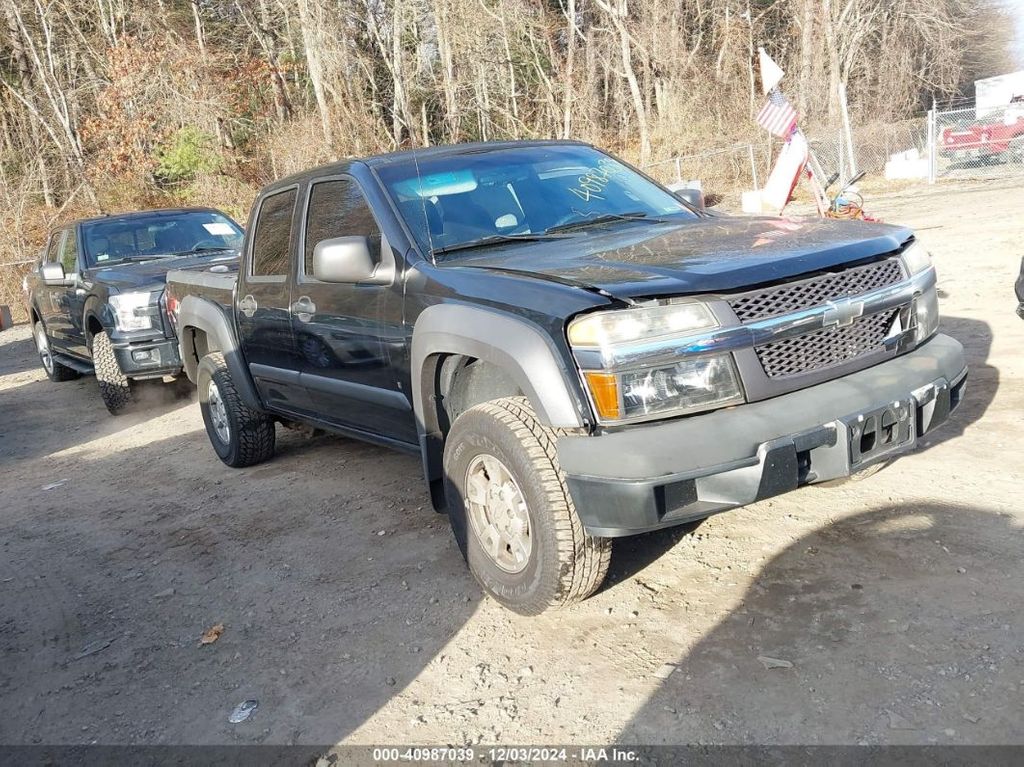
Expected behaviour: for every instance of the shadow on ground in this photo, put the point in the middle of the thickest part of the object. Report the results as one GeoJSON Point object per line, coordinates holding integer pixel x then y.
{"type": "Point", "coordinates": [920, 603]}
{"type": "Point", "coordinates": [982, 378]}
{"type": "Point", "coordinates": [325, 619]}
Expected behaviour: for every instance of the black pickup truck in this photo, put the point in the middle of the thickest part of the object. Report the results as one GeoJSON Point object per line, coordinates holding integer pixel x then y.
{"type": "Point", "coordinates": [575, 353]}
{"type": "Point", "coordinates": [96, 301]}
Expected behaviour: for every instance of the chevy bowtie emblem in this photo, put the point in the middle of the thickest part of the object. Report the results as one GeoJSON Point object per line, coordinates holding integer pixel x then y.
{"type": "Point", "coordinates": [842, 313]}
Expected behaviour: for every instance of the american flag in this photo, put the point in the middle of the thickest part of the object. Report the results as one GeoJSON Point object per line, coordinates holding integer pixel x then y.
{"type": "Point", "coordinates": [777, 116]}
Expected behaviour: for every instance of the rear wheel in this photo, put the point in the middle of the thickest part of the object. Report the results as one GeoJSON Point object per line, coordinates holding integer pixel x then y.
{"type": "Point", "coordinates": [115, 387]}
{"type": "Point", "coordinates": [54, 370]}
{"type": "Point", "coordinates": [511, 512]}
{"type": "Point", "coordinates": [240, 435]}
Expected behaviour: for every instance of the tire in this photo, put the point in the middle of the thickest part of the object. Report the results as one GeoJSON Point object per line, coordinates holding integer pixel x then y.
{"type": "Point", "coordinates": [55, 371]}
{"type": "Point", "coordinates": [115, 388]}
{"type": "Point", "coordinates": [563, 564]}
{"type": "Point", "coordinates": [240, 435]}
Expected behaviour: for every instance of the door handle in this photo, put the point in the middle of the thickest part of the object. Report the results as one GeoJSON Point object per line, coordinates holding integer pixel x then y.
{"type": "Point", "coordinates": [248, 306]}
{"type": "Point", "coordinates": [304, 309]}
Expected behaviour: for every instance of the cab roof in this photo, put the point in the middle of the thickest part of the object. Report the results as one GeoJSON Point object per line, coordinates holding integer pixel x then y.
{"type": "Point", "coordinates": [406, 155]}
{"type": "Point", "coordinates": [128, 216]}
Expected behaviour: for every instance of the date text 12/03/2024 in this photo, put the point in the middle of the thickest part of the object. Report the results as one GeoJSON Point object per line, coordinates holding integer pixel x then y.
{"type": "Point", "coordinates": [505, 754]}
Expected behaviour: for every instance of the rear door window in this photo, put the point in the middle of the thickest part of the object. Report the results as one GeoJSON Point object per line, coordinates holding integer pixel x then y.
{"type": "Point", "coordinates": [272, 235]}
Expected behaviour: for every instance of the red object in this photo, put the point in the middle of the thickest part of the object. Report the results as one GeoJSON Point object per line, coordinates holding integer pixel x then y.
{"type": "Point", "coordinates": [777, 116]}
{"type": "Point", "coordinates": [987, 139]}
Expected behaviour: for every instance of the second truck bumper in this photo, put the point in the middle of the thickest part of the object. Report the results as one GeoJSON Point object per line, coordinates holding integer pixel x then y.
{"type": "Point", "coordinates": [658, 475]}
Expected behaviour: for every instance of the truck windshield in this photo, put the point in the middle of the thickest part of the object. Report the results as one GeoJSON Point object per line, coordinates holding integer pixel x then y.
{"type": "Point", "coordinates": [453, 202]}
{"type": "Point", "coordinates": [156, 235]}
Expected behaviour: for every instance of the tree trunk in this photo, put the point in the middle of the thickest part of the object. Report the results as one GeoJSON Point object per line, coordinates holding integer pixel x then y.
{"type": "Point", "coordinates": [200, 36]}
{"type": "Point", "coordinates": [570, 58]}
{"type": "Point", "coordinates": [309, 21]}
{"type": "Point", "coordinates": [806, 56]}
{"type": "Point", "coordinates": [618, 19]}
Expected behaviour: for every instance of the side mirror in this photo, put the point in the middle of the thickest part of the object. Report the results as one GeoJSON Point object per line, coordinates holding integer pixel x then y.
{"type": "Point", "coordinates": [692, 197]}
{"type": "Point", "coordinates": [53, 274]}
{"type": "Point", "coordinates": [348, 260]}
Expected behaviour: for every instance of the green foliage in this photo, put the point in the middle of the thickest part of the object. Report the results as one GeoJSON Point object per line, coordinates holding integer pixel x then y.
{"type": "Point", "coordinates": [191, 152]}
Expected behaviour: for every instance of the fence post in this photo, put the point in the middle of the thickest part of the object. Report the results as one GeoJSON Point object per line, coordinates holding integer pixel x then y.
{"type": "Point", "coordinates": [679, 169]}
{"type": "Point", "coordinates": [932, 159]}
{"type": "Point", "coordinates": [847, 131]}
{"type": "Point", "coordinates": [842, 159]}
{"type": "Point", "coordinates": [753, 166]}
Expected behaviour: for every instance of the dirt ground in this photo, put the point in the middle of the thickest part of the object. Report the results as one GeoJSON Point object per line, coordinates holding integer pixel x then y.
{"type": "Point", "coordinates": [349, 616]}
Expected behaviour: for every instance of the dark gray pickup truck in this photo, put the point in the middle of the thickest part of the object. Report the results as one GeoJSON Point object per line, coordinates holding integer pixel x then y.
{"type": "Point", "coordinates": [96, 297]}
{"type": "Point", "coordinates": [575, 353]}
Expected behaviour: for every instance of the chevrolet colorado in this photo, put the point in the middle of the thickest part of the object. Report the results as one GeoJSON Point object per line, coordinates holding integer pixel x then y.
{"type": "Point", "coordinates": [574, 353]}
{"type": "Point", "coordinates": [95, 297]}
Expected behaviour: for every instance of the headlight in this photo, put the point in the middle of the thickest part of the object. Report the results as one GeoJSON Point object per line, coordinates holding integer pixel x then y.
{"type": "Point", "coordinates": [686, 385]}
{"type": "Point", "coordinates": [605, 329]}
{"type": "Point", "coordinates": [926, 305]}
{"type": "Point", "coordinates": [135, 311]}
{"type": "Point", "coordinates": [926, 311]}
{"type": "Point", "coordinates": [916, 258]}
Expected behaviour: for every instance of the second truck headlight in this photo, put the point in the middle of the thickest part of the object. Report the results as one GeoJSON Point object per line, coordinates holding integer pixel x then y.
{"type": "Point", "coordinates": [135, 311]}
{"type": "Point", "coordinates": [685, 385]}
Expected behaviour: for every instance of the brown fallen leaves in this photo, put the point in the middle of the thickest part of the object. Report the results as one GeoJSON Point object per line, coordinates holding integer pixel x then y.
{"type": "Point", "coordinates": [211, 634]}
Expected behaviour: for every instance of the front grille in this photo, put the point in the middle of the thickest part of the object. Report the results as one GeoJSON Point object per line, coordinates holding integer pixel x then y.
{"type": "Point", "coordinates": [815, 291]}
{"type": "Point", "coordinates": [827, 346]}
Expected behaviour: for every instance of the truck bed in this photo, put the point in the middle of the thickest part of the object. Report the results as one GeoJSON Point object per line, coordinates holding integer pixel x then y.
{"type": "Point", "coordinates": [215, 284]}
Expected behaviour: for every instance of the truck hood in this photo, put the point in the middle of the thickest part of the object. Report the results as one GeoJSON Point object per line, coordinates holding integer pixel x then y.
{"type": "Point", "coordinates": [128, 275]}
{"type": "Point", "coordinates": [707, 256]}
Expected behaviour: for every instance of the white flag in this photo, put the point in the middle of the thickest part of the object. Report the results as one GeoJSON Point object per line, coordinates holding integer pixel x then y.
{"type": "Point", "coordinates": [771, 73]}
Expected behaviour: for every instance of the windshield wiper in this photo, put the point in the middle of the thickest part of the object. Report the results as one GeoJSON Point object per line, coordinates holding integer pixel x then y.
{"type": "Point", "coordinates": [496, 239]}
{"type": "Point", "coordinates": [200, 251]}
{"type": "Point", "coordinates": [142, 257]}
{"type": "Point", "coordinates": [153, 256]}
{"type": "Point", "coordinates": [604, 219]}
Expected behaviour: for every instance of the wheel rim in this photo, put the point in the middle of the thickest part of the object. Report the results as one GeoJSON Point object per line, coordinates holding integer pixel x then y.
{"type": "Point", "coordinates": [43, 347]}
{"type": "Point", "coordinates": [218, 413]}
{"type": "Point", "coordinates": [498, 513]}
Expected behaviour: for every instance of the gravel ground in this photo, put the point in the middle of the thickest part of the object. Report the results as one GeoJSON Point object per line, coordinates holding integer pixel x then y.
{"type": "Point", "coordinates": [893, 602]}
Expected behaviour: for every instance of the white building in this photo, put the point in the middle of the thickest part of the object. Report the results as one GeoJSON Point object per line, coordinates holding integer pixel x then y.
{"type": "Point", "coordinates": [993, 94]}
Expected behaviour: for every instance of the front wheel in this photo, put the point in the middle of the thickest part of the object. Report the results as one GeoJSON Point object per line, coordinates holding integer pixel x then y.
{"type": "Point", "coordinates": [240, 435]}
{"type": "Point", "coordinates": [511, 512]}
{"type": "Point", "coordinates": [115, 387]}
{"type": "Point", "coordinates": [55, 371]}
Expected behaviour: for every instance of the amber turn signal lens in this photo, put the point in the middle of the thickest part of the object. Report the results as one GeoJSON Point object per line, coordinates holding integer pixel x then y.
{"type": "Point", "coordinates": [604, 388]}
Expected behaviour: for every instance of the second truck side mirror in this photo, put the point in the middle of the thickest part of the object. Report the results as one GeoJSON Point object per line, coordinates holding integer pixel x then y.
{"type": "Point", "coordinates": [53, 274]}
{"type": "Point", "coordinates": [348, 259]}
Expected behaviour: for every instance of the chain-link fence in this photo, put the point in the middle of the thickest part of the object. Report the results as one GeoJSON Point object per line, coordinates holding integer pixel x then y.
{"type": "Point", "coordinates": [873, 146]}
{"type": "Point", "coordinates": [971, 143]}
{"type": "Point", "coordinates": [724, 174]}
{"type": "Point", "coordinates": [952, 144]}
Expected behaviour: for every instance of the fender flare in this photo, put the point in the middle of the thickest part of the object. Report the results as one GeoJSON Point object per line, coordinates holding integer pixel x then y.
{"type": "Point", "coordinates": [512, 343]}
{"type": "Point", "coordinates": [201, 314]}
{"type": "Point", "coordinates": [95, 307]}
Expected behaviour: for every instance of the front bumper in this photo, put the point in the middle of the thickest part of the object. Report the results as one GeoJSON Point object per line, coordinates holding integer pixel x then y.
{"type": "Point", "coordinates": [153, 358]}
{"type": "Point", "coordinates": [658, 475]}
